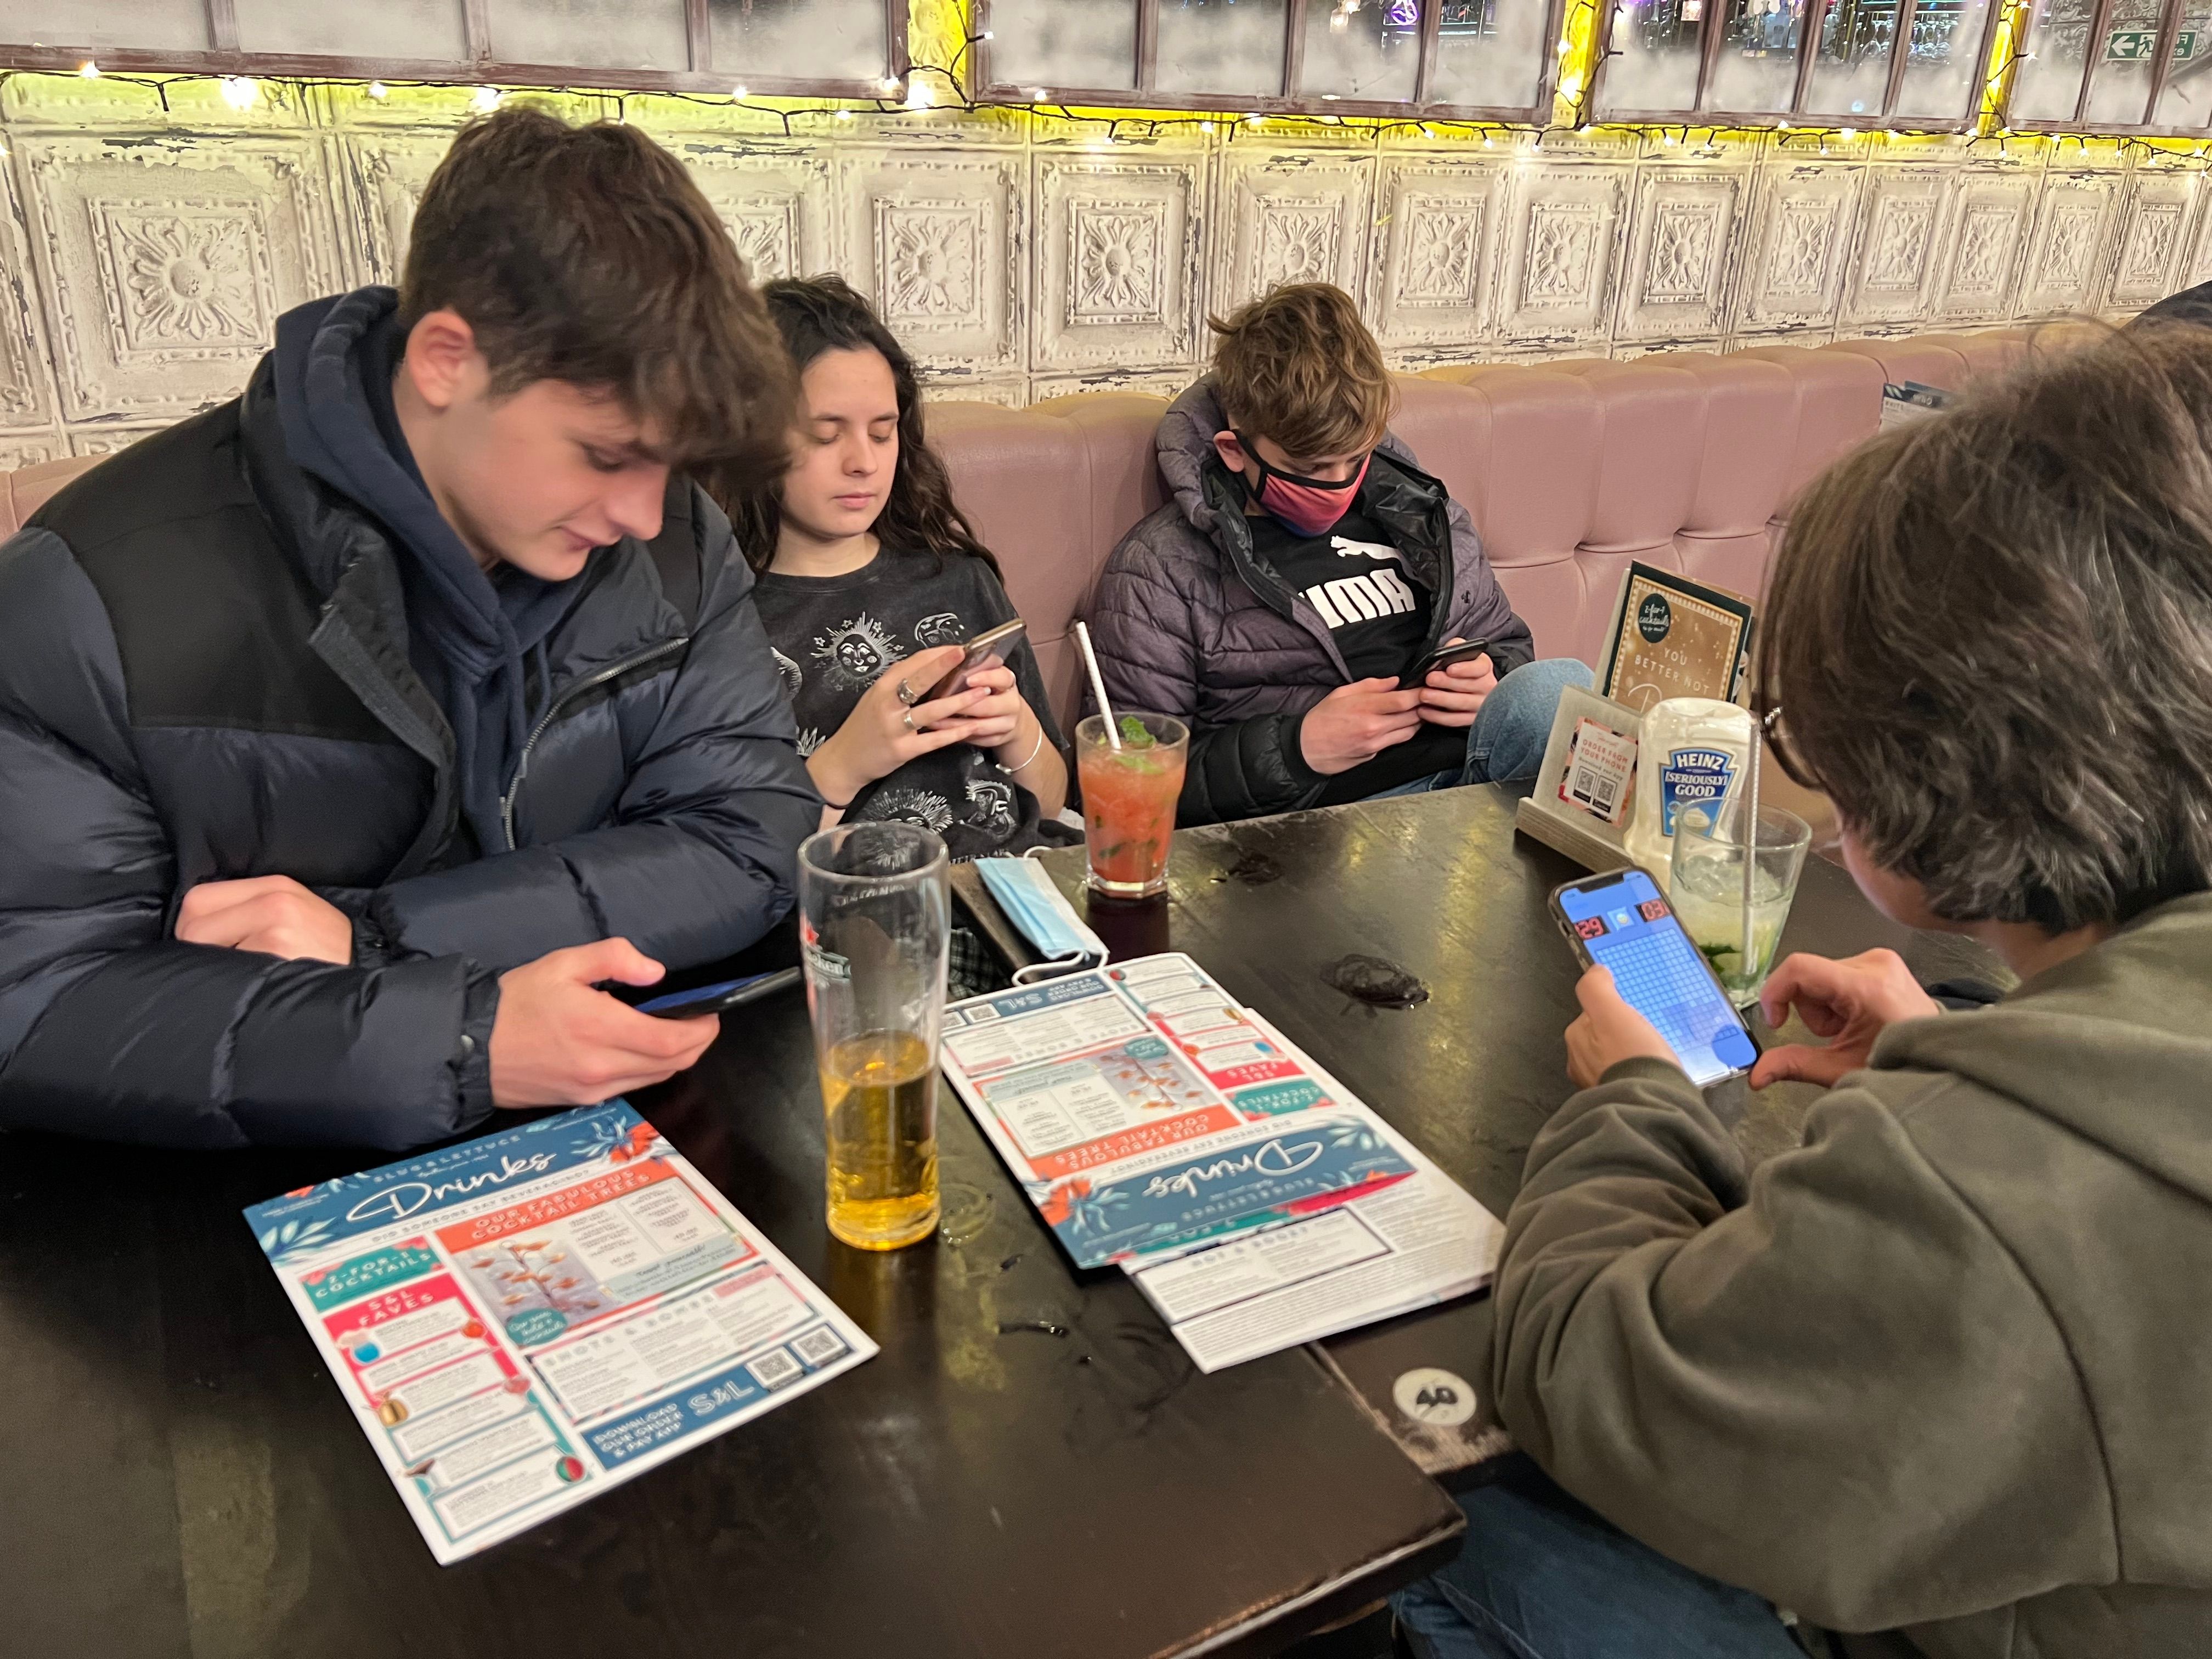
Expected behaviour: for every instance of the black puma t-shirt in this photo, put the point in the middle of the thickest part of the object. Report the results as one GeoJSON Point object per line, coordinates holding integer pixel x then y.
{"type": "Point", "coordinates": [1379, 617]}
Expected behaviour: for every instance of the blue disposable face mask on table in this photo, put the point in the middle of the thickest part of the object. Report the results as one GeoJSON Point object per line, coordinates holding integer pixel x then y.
{"type": "Point", "coordinates": [1047, 920]}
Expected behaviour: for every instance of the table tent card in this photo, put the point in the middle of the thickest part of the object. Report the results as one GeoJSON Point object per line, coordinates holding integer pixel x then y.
{"type": "Point", "coordinates": [1909, 400]}
{"type": "Point", "coordinates": [1140, 1107]}
{"type": "Point", "coordinates": [1586, 786]}
{"type": "Point", "coordinates": [523, 1321]}
{"type": "Point", "coordinates": [1673, 637]}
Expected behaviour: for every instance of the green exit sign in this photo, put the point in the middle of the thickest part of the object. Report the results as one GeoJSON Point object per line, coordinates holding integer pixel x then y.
{"type": "Point", "coordinates": [2127, 45]}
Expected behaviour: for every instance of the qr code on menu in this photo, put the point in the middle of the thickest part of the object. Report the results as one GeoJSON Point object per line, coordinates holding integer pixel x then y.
{"type": "Point", "coordinates": [773, 1371]}
{"type": "Point", "coordinates": [820, 1346]}
{"type": "Point", "coordinates": [1597, 777]}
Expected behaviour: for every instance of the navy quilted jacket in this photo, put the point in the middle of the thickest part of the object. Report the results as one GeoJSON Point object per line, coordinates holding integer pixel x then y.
{"type": "Point", "coordinates": [204, 676]}
{"type": "Point", "coordinates": [1190, 622]}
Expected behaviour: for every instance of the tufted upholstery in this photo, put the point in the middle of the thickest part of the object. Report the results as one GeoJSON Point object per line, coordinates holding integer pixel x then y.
{"type": "Point", "coordinates": [1571, 469]}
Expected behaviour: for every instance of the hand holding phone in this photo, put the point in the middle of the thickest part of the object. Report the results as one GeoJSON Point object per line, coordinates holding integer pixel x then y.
{"type": "Point", "coordinates": [718, 998]}
{"type": "Point", "coordinates": [1608, 1032]}
{"type": "Point", "coordinates": [1620, 922]}
{"type": "Point", "coordinates": [1445, 656]}
{"type": "Point", "coordinates": [991, 642]}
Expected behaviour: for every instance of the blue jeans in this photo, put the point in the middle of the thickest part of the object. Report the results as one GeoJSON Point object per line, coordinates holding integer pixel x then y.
{"type": "Point", "coordinates": [1540, 1576]}
{"type": "Point", "coordinates": [1507, 740]}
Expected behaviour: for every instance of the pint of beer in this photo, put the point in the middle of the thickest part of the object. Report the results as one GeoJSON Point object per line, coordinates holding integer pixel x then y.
{"type": "Point", "coordinates": [874, 905]}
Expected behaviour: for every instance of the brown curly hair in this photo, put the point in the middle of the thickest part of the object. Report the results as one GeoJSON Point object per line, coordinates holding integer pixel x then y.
{"type": "Point", "coordinates": [1299, 366]}
{"type": "Point", "coordinates": [817, 314]}
{"type": "Point", "coordinates": [1990, 634]}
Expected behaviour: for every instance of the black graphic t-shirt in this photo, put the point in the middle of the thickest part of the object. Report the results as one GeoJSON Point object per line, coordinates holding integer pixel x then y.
{"type": "Point", "coordinates": [1379, 617]}
{"type": "Point", "coordinates": [834, 635]}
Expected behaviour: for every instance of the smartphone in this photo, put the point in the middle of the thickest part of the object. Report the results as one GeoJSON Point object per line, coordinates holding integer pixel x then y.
{"type": "Point", "coordinates": [718, 998]}
{"type": "Point", "coordinates": [1621, 920]}
{"type": "Point", "coordinates": [991, 642]}
{"type": "Point", "coordinates": [1442, 656]}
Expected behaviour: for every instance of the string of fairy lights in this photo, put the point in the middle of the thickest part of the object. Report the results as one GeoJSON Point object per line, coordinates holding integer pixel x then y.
{"type": "Point", "coordinates": [934, 89]}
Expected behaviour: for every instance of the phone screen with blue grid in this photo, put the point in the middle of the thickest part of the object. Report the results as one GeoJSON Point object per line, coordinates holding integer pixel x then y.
{"type": "Point", "coordinates": [1625, 926]}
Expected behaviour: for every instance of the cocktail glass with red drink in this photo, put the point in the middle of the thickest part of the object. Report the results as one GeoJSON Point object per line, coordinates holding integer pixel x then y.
{"type": "Point", "coordinates": [1129, 797]}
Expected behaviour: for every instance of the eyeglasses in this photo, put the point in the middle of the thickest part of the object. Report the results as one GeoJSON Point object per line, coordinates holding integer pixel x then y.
{"type": "Point", "coordinates": [1778, 745]}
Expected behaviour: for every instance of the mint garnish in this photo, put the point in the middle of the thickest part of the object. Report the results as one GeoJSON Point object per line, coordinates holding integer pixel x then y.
{"type": "Point", "coordinates": [1134, 734]}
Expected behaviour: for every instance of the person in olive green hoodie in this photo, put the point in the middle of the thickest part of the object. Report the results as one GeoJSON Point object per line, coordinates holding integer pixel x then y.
{"type": "Point", "coordinates": [1941, 1378]}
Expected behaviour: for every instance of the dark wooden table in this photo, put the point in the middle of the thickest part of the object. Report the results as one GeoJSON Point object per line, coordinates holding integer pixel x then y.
{"type": "Point", "coordinates": [1440, 884]}
{"type": "Point", "coordinates": [179, 1478]}
{"type": "Point", "coordinates": [182, 1478]}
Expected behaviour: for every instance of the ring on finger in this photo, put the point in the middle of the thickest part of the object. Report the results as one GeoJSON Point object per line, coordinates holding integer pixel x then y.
{"type": "Point", "coordinates": [906, 719]}
{"type": "Point", "coordinates": [907, 695]}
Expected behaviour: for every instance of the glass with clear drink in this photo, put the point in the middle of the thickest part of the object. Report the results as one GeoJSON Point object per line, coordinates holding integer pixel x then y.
{"type": "Point", "coordinates": [1707, 887]}
{"type": "Point", "coordinates": [1129, 797]}
{"type": "Point", "coordinates": [874, 902]}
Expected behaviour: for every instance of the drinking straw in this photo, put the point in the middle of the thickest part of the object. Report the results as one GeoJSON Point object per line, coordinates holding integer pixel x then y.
{"type": "Point", "coordinates": [1099, 687]}
{"type": "Point", "coordinates": [1750, 840]}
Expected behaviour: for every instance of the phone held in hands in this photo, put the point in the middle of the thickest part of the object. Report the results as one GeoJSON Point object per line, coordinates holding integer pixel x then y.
{"type": "Point", "coordinates": [1620, 921]}
{"type": "Point", "coordinates": [1442, 656]}
{"type": "Point", "coordinates": [718, 998]}
{"type": "Point", "coordinates": [991, 642]}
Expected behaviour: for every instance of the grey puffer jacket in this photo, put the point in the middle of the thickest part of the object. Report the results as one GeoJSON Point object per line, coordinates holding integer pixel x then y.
{"type": "Point", "coordinates": [1190, 622]}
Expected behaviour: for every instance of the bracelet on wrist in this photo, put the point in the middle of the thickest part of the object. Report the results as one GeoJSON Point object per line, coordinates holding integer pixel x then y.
{"type": "Point", "coordinates": [1035, 750]}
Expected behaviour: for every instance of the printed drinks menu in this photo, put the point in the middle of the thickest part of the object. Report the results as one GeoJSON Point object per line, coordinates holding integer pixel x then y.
{"type": "Point", "coordinates": [522, 1321]}
{"type": "Point", "coordinates": [1141, 1108]}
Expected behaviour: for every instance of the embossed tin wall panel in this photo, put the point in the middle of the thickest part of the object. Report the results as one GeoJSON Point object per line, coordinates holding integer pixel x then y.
{"type": "Point", "coordinates": [1990, 215]}
{"type": "Point", "coordinates": [2151, 247]}
{"type": "Point", "coordinates": [1431, 253]}
{"type": "Point", "coordinates": [1800, 247]}
{"type": "Point", "coordinates": [1289, 216]}
{"type": "Point", "coordinates": [779, 202]}
{"type": "Point", "coordinates": [1894, 276]}
{"type": "Point", "coordinates": [22, 449]}
{"type": "Point", "coordinates": [1682, 248]}
{"type": "Point", "coordinates": [26, 365]}
{"type": "Point", "coordinates": [1559, 252]}
{"type": "Point", "coordinates": [1118, 261]}
{"type": "Point", "coordinates": [939, 240]}
{"type": "Point", "coordinates": [2065, 257]}
{"type": "Point", "coordinates": [386, 173]}
{"type": "Point", "coordinates": [165, 265]}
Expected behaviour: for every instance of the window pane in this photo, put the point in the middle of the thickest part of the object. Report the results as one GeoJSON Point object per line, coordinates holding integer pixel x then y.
{"type": "Point", "coordinates": [1851, 70]}
{"type": "Point", "coordinates": [607, 34]}
{"type": "Point", "coordinates": [1653, 65]}
{"type": "Point", "coordinates": [2187, 100]}
{"type": "Point", "coordinates": [1943, 66]}
{"type": "Point", "coordinates": [2046, 84]}
{"type": "Point", "coordinates": [1368, 49]}
{"type": "Point", "coordinates": [155, 25]}
{"type": "Point", "coordinates": [1230, 48]}
{"type": "Point", "coordinates": [1064, 43]}
{"type": "Point", "coordinates": [1490, 54]}
{"type": "Point", "coordinates": [1757, 70]}
{"type": "Point", "coordinates": [2119, 85]}
{"type": "Point", "coordinates": [818, 39]}
{"type": "Point", "coordinates": [389, 28]}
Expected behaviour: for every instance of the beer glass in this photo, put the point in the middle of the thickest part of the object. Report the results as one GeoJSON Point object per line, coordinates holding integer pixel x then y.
{"type": "Point", "coordinates": [874, 903]}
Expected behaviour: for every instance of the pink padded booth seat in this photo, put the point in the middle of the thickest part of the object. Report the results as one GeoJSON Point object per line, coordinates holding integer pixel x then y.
{"type": "Point", "coordinates": [1050, 489]}
{"type": "Point", "coordinates": [25, 491]}
{"type": "Point", "coordinates": [1571, 470]}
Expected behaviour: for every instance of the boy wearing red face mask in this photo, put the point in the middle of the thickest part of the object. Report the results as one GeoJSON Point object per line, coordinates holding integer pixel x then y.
{"type": "Point", "coordinates": [1305, 565]}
